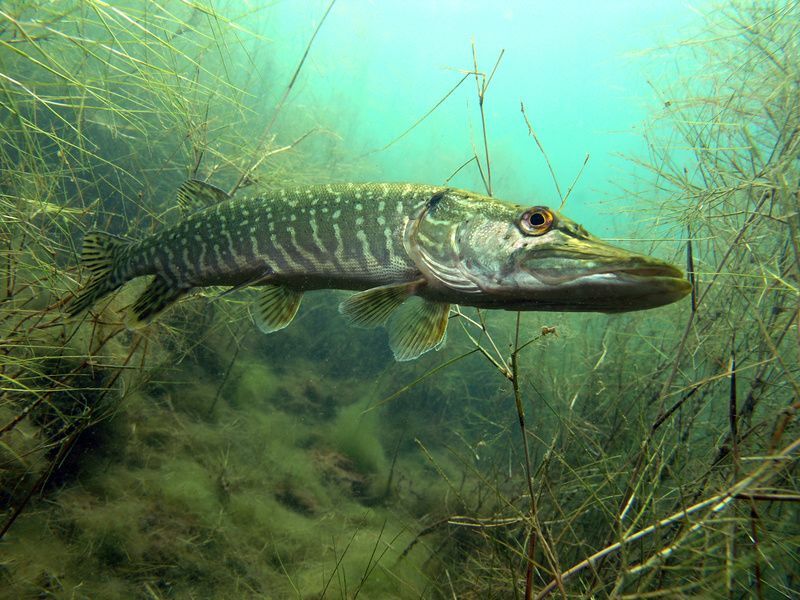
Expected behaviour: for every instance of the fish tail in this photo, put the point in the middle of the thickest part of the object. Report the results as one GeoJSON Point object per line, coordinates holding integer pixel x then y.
{"type": "Point", "coordinates": [101, 254]}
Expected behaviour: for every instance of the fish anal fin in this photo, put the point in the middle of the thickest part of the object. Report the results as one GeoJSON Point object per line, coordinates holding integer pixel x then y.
{"type": "Point", "coordinates": [417, 327]}
{"type": "Point", "coordinates": [155, 298]}
{"type": "Point", "coordinates": [275, 307]}
{"type": "Point", "coordinates": [194, 195]}
{"type": "Point", "coordinates": [372, 307]}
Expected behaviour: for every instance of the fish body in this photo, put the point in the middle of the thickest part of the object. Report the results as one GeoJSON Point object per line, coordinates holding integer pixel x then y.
{"type": "Point", "coordinates": [341, 236]}
{"type": "Point", "coordinates": [409, 250]}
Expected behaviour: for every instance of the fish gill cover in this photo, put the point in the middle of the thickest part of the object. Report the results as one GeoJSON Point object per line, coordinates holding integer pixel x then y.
{"type": "Point", "coordinates": [535, 453]}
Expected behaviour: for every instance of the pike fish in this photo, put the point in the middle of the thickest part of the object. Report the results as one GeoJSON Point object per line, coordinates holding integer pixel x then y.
{"type": "Point", "coordinates": [408, 250]}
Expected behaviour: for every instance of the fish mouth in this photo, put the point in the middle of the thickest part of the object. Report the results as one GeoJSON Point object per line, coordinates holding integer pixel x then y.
{"type": "Point", "coordinates": [644, 288]}
{"type": "Point", "coordinates": [631, 288]}
{"type": "Point", "coordinates": [626, 282]}
{"type": "Point", "coordinates": [649, 271]}
{"type": "Point", "coordinates": [623, 290]}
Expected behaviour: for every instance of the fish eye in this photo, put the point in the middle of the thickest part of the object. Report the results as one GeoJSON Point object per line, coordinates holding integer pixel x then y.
{"type": "Point", "coordinates": [536, 221]}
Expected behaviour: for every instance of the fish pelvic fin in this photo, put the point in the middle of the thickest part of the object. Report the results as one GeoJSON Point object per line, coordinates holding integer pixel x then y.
{"type": "Point", "coordinates": [157, 296]}
{"type": "Point", "coordinates": [101, 254]}
{"type": "Point", "coordinates": [276, 307]}
{"type": "Point", "coordinates": [373, 307]}
{"type": "Point", "coordinates": [416, 327]}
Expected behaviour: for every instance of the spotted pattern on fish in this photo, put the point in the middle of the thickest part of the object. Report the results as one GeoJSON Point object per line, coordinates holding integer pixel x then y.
{"type": "Point", "coordinates": [335, 235]}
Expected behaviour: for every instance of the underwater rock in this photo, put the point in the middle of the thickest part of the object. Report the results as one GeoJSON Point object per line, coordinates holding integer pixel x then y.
{"type": "Point", "coordinates": [339, 470]}
{"type": "Point", "coordinates": [297, 499]}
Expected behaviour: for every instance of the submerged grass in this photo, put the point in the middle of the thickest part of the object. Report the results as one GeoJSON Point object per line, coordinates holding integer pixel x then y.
{"type": "Point", "coordinates": [173, 460]}
{"type": "Point", "coordinates": [664, 459]}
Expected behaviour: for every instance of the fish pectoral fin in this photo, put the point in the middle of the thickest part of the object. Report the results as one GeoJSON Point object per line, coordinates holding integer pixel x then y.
{"type": "Point", "coordinates": [156, 297]}
{"type": "Point", "coordinates": [194, 195]}
{"type": "Point", "coordinates": [275, 307]}
{"type": "Point", "coordinates": [372, 307]}
{"type": "Point", "coordinates": [418, 326]}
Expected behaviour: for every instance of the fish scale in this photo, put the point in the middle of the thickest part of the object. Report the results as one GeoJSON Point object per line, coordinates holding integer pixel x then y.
{"type": "Point", "coordinates": [409, 250]}
{"type": "Point", "coordinates": [232, 241]}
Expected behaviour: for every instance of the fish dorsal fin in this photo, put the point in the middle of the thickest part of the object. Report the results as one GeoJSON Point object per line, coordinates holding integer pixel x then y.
{"type": "Point", "coordinates": [194, 195]}
{"type": "Point", "coordinates": [156, 297]}
{"type": "Point", "coordinates": [416, 327]}
{"type": "Point", "coordinates": [372, 307]}
{"type": "Point", "coordinates": [275, 307]}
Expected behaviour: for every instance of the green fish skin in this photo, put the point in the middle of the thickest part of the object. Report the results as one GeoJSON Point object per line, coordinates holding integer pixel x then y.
{"type": "Point", "coordinates": [409, 250]}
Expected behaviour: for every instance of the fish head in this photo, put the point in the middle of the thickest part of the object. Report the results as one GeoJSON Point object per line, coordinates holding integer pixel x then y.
{"type": "Point", "coordinates": [493, 254]}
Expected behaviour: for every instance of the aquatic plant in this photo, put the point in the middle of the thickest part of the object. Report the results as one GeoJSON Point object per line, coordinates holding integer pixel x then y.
{"type": "Point", "coordinates": [663, 463]}
{"type": "Point", "coordinates": [117, 457]}
{"type": "Point", "coordinates": [80, 101]}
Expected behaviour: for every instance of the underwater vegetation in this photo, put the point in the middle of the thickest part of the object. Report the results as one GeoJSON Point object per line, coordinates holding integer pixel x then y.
{"type": "Point", "coordinates": [648, 454]}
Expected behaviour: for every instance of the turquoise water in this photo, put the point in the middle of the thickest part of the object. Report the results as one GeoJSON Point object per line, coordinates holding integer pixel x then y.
{"type": "Point", "coordinates": [539, 454]}
{"type": "Point", "coordinates": [580, 68]}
